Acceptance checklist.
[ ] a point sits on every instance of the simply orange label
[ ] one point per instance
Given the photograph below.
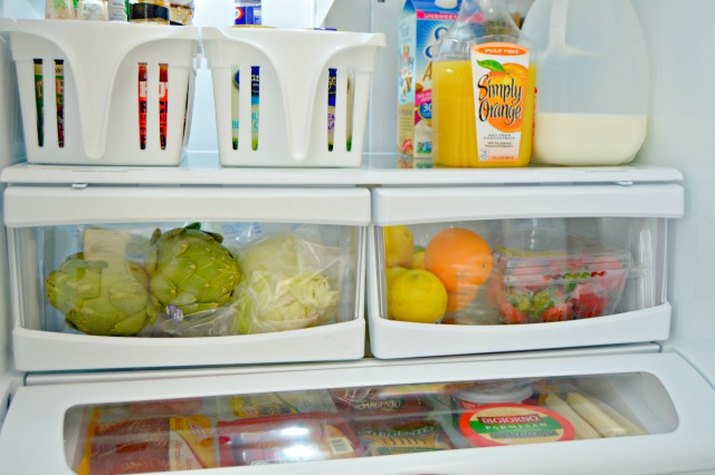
(500, 72)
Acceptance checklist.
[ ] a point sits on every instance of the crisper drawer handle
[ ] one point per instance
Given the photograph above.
(424, 205)
(46, 206)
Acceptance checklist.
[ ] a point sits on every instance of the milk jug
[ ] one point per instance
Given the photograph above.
(483, 79)
(593, 81)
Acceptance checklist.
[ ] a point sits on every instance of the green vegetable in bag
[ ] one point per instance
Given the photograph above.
(191, 269)
(284, 289)
(101, 297)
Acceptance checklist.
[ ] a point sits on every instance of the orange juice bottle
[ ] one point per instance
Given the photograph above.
(483, 90)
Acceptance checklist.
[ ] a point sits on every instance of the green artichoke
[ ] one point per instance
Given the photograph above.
(101, 297)
(191, 269)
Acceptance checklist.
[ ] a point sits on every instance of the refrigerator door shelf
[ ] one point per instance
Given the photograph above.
(672, 401)
(318, 233)
(547, 260)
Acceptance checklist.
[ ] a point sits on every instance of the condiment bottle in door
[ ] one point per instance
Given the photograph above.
(483, 90)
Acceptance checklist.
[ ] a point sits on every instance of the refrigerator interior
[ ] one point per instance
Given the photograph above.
(680, 136)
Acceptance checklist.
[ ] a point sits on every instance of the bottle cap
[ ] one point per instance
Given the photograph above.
(446, 4)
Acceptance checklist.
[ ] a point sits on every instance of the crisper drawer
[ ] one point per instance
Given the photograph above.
(510, 268)
(562, 414)
(130, 277)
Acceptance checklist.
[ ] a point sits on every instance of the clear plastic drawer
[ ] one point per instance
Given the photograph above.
(513, 268)
(129, 277)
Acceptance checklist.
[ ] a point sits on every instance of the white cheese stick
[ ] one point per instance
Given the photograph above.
(598, 419)
(582, 428)
(631, 427)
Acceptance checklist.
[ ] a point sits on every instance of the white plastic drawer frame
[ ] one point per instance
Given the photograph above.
(393, 206)
(35, 350)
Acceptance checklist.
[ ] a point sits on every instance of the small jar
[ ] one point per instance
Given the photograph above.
(491, 392)
(95, 10)
(181, 12)
(150, 11)
(59, 10)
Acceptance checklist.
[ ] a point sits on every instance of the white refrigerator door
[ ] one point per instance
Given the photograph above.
(681, 422)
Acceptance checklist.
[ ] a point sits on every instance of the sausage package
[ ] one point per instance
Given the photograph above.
(283, 439)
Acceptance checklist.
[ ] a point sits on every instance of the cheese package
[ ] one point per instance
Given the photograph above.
(513, 424)
(395, 436)
(363, 403)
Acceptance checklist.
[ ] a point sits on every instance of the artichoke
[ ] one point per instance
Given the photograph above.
(101, 297)
(191, 269)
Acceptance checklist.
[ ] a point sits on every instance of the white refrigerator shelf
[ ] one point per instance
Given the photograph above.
(203, 169)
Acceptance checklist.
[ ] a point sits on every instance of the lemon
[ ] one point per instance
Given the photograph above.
(399, 245)
(418, 260)
(416, 296)
(391, 273)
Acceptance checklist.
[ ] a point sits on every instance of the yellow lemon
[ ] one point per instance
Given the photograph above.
(418, 260)
(416, 296)
(399, 245)
(391, 273)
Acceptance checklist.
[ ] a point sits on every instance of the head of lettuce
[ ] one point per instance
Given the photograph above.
(285, 287)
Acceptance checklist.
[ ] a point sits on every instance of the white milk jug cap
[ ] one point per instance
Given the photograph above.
(446, 4)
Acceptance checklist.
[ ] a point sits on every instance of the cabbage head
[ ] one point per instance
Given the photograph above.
(283, 287)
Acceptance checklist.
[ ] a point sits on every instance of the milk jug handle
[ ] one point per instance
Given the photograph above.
(557, 24)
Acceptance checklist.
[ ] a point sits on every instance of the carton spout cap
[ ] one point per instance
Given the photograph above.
(446, 4)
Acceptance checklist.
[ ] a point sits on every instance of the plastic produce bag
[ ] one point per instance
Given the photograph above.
(289, 283)
(173, 323)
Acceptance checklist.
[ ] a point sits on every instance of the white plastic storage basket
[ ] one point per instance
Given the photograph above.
(305, 100)
(103, 93)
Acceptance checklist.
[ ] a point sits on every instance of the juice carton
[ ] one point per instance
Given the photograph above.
(422, 23)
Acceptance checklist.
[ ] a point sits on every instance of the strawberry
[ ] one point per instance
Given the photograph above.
(511, 314)
(588, 305)
(558, 313)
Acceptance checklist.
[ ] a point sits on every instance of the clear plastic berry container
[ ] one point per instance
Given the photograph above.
(548, 275)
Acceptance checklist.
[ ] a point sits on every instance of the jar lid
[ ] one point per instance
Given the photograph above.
(488, 392)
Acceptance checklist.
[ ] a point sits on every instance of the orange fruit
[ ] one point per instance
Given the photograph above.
(460, 258)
